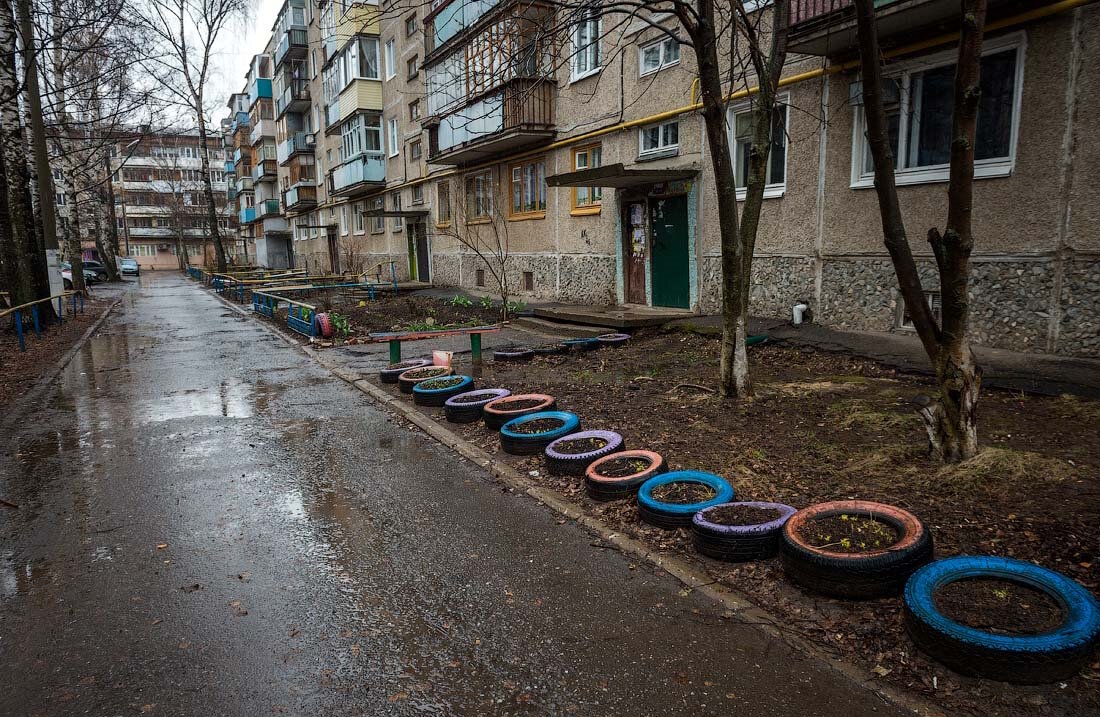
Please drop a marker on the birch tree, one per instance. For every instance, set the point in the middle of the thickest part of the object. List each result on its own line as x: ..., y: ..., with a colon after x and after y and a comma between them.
x: 185, y: 33
x: 951, y: 420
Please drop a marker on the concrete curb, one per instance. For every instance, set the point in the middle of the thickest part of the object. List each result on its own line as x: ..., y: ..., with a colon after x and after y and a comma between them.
x: 735, y: 602
x: 19, y: 405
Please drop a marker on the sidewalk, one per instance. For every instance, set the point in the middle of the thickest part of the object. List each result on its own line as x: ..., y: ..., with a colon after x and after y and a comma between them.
x: 1034, y: 373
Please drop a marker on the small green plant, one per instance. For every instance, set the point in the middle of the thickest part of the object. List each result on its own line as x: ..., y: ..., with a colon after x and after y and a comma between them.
x: 516, y: 306
x: 486, y: 302
x: 341, y: 325
x: 463, y: 301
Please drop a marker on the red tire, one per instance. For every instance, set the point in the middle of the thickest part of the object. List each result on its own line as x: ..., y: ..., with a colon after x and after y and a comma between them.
x: 324, y: 325
x: 497, y: 412
x: 605, y: 487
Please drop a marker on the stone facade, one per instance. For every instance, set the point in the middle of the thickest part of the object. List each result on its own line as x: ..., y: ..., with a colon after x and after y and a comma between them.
x: 1079, y: 328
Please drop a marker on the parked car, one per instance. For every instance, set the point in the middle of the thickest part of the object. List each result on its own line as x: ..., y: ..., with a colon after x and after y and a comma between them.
x: 90, y: 275
x: 97, y: 268
x: 127, y: 265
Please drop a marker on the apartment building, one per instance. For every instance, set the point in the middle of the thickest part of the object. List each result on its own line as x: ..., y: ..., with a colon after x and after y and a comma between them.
x: 159, y: 197
x: 582, y: 152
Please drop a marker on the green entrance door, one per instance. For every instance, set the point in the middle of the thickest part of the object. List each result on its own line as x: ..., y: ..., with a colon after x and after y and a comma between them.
x: 669, y: 260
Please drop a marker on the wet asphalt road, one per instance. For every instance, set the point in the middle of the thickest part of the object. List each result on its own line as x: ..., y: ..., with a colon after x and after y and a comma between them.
x: 211, y: 524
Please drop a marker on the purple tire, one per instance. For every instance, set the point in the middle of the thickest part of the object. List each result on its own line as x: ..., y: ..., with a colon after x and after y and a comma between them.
x: 465, y: 411
x: 740, y: 543
x: 391, y: 372
x: 575, y: 464
x: 613, y: 339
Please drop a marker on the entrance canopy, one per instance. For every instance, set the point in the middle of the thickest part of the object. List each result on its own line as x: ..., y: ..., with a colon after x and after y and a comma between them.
x: 618, y: 177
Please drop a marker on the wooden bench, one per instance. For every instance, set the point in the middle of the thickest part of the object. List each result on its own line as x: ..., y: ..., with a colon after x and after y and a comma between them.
x: 394, y: 338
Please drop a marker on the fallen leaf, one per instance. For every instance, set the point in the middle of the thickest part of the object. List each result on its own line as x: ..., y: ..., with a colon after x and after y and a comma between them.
x: 881, y: 671
x: 398, y: 696
x: 162, y: 546
x: 146, y: 709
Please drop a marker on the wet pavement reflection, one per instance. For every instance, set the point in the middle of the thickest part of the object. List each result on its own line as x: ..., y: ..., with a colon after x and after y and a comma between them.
x: 210, y: 524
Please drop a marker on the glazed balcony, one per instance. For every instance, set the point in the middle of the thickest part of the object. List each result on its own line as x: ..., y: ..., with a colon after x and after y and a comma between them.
x: 292, y: 46
x: 359, y: 174
x: 300, y: 197
x: 828, y: 27
x: 300, y: 169
x: 451, y: 19
x: 510, y: 117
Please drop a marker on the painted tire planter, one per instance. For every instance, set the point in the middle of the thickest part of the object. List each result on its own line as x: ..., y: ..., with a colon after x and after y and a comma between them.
x: 391, y: 372
x: 502, y: 410
x: 431, y: 396
x: 679, y: 515
x: 466, y: 407
x: 870, y: 574
x: 413, y: 376
x: 603, y: 483
x: 1029, y: 659
x: 513, y: 353
x: 322, y: 325
x: 582, y: 344
x: 575, y: 464
x: 613, y: 339
x: 514, y: 440
x: 740, y: 543
x: 551, y: 349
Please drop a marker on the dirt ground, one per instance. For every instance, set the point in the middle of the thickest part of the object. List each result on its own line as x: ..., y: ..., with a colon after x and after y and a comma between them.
x: 401, y: 313
x: 19, y: 370
x: 825, y: 426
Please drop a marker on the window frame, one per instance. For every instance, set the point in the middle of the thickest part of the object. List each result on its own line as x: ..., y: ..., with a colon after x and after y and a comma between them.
x: 490, y: 182
x: 576, y: 75
x: 662, y: 63
x: 443, y: 204
x: 390, y: 54
x: 771, y: 191
x: 902, y: 72
x: 522, y: 214
x: 663, y: 150
x: 414, y: 110
x: 397, y: 206
x: 377, y: 224
x: 410, y: 22
x: 592, y: 206
x: 392, y: 137
x: 360, y: 224
x: 412, y: 67
x: 416, y: 149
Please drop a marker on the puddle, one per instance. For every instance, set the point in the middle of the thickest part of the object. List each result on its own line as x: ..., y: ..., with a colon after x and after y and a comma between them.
x: 21, y: 578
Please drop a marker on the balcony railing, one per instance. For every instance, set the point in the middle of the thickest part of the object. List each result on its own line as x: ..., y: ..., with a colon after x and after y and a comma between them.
x: 260, y: 88
x: 244, y: 184
x: 519, y: 112
x: 240, y: 119
x: 267, y: 208
x: 297, y: 142
x: 451, y: 18
x: 295, y: 98
x: 368, y: 168
x: 266, y: 169
x: 247, y: 216
x: 294, y: 43
x: 261, y: 129
x: 803, y: 10
x: 300, y: 196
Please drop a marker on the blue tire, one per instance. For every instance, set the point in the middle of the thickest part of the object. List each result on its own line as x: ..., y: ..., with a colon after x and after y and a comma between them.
x: 679, y: 515
x: 438, y: 396
x: 527, y: 444
x: 1028, y: 659
x: 582, y: 344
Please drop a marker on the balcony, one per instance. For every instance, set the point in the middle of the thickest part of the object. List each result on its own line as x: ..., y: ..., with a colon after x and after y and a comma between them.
x: 260, y: 88
x: 247, y: 216
x: 300, y: 197
x: 267, y: 208
x: 244, y: 184
x: 359, y: 174
x: 332, y: 117
x: 359, y: 18
x: 292, y: 46
x: 231, y: 166
x: 295, y: 98
x: 297, y: 142
x: 261, y: 130
x: 517, y: 114
x: 828, y: 27
x: 265, y: 170
x: 450, y: 19
x: 240, y: 119
x: 231, y: 192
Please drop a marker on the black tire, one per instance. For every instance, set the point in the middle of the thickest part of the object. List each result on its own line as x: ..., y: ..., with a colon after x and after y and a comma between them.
x: 513, y: 353
x: 435, y: 398
x: 565, y: 464
x: 740, y: 543
x: 471, y: 411
x: 854, y: 575
x: 101, y: 276
x: 391, y: 372
x: 551, y: 349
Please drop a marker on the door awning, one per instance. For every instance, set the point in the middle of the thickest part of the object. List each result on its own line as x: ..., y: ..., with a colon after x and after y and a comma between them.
x: 618, y: 177
x: 403, y: 213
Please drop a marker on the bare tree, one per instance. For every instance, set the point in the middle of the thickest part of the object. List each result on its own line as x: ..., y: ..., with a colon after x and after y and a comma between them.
x: 186, y: 32
x: 952, y: 419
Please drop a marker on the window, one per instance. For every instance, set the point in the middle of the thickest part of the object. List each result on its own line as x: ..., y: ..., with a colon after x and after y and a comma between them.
x: 586, y: 46
x: 414, y: 110
x: 741, y: 145
x: 412, y: 67
x: 659, y: 139
x: 59, y: 198
x: 362, y: 133
x: 410, y: 26
x: 357, y: 210
x: 143, y: 250
x: 344, y: 219
x: 398, y: 222
x: 391, y: 60
x: 377, y: 224
x: 418, y: 194
x: 529, y: 189
x: 479, y: 196
x: 528, y: 281
x: 905, y: 321
x: 658, y: 55
x: 415, y: 149
x: 368, y: 57
x: 392, y: 128
x: 586, y: 200
x: 480, y: 278
x: 919, y: 114
x: 443, y: 203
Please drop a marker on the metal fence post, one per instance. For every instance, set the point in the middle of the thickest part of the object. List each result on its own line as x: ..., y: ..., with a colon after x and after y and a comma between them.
x: 37, y: 327
x: 19, y: 329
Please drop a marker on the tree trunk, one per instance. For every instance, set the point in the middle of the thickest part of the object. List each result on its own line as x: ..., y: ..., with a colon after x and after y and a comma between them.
x: 68, y: 169
x: 208, y: 192
x: 112, y: 214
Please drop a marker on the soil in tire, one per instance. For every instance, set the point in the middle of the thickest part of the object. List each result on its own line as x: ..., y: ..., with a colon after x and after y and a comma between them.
x: 518, y: 405
x: 849, y: 533
x: 1001, y: 607
x: 539, y: 425
x: 433, y: 384
x: 683, y: 493
x: 623, y: 467
x: 741, y: 515
x: 577, y: 446
x: 460, y: 399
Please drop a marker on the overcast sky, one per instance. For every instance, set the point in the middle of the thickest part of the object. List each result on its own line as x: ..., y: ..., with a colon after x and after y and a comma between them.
x: 235, y: 50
